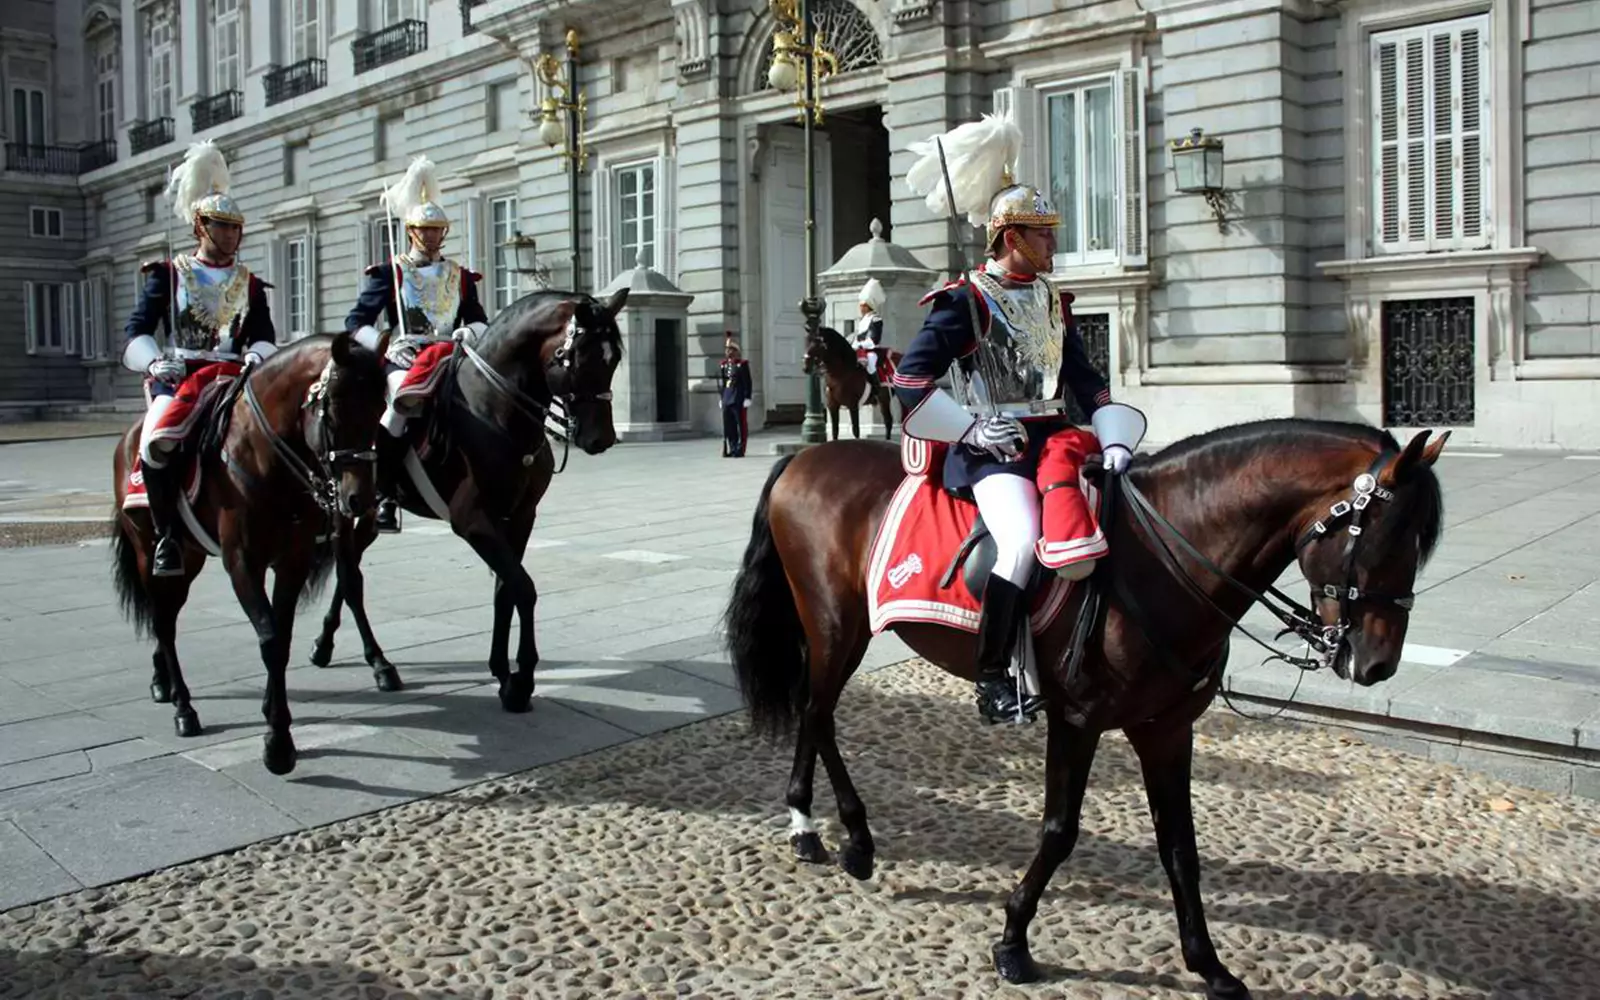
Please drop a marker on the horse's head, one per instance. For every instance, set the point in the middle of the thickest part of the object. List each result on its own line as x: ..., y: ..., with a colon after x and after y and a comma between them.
x: 825, y: 345
x: 342, y: 408
x: 579, y: 365
x: 1361, y: 550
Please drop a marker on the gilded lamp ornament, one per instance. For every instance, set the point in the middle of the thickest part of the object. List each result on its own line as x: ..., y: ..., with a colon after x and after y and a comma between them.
x: 792, y: 58
x: 561, y: 97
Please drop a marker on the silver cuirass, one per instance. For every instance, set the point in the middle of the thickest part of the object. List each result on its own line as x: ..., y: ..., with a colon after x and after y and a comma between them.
x: 431, y: 296
x: 211, y: 304
x: 1018, y: 360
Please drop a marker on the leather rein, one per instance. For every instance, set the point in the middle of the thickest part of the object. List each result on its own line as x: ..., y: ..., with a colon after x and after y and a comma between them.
x: 321, y: 482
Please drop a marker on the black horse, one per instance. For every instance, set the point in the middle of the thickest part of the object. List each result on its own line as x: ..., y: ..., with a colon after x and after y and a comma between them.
x: 547, y: 358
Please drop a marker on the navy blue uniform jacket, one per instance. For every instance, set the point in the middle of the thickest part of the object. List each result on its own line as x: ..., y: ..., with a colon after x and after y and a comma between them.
x: 377, y: 299
x: 947, y: 338
x: 154, y: 309
x: 736, y: 386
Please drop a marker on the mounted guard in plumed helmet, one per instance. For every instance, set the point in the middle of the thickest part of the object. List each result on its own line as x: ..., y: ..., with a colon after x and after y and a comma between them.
x: 869, y: 325
x: 214, y: 312
x: 1005, y: 334
x: 438, y: 301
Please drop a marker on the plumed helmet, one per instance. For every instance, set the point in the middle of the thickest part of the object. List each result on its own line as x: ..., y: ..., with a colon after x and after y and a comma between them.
x: 872, y: 294
x: 981, y: 157
x: 199, y: 186
x: 415, y: 198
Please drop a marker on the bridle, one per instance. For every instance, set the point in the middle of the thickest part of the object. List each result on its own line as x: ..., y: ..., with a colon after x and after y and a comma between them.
x: 322, y: 482
x: 1324, y: 642
x: 557, y: 416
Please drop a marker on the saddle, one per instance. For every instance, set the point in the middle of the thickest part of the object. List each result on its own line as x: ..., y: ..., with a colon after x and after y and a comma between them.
x: 974, y: 560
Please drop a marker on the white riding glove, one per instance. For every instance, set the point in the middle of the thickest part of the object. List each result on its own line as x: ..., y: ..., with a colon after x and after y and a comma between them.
x: 251, y: 359
x: 1117, y: 459
x: 1003, y: 437
x: 747, y: 404
x: 168, y: 370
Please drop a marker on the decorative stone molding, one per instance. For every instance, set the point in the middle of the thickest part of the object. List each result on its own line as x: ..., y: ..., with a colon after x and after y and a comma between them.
x: 693, y: 30
x: 911, y: 11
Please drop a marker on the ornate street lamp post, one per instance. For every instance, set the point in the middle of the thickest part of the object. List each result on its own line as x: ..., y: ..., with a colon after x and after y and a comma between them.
x: 562, y: 96
x: 800, y: 63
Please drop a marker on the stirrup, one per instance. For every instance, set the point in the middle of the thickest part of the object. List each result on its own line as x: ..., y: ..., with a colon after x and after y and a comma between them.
x: 173, y: 564
x: 387, y: 517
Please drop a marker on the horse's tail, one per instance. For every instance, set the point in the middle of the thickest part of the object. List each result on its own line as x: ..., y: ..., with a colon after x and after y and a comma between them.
x: 324, y: 556
x: 131, y: 595
x: 764, y: 636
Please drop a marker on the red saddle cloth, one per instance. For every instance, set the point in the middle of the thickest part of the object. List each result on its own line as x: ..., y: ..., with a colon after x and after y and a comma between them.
x: 423, y: 376
x: 197, y: 395
x: 885, y: 362
x: 924, y: 526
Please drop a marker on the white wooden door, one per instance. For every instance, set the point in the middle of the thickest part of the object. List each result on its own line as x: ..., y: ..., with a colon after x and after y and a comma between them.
x: 783, y: 258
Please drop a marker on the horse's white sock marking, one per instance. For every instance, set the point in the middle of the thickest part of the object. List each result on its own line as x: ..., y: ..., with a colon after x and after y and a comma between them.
x: 799, y: 823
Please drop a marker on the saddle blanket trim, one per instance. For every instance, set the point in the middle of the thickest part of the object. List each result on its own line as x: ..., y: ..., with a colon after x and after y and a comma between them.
x: 424, y: 374
x: 882, y: 614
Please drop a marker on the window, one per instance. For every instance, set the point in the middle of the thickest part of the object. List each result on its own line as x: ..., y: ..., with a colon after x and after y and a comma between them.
x: 394, y: 11
x: 48, y: 308
x: 635, y: 216
x: 1083, y: 170
x: 385, y: 240
x: 152, y: 203
x: 1431, y: 142
x: 227, y: 37
x: 305, y: 30
x: 295, y: 159
x: 297, y: 287
x: 505, y: 107
x: 159, y: 61
x: 105, y: 94
x: 91, y: 315
x: 45, y: 222
x: 27, y: 116
x: 502, y: 227
x: 390, y: 138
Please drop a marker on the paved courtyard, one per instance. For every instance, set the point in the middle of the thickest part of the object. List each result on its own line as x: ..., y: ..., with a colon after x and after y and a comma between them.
x: 630, y: 851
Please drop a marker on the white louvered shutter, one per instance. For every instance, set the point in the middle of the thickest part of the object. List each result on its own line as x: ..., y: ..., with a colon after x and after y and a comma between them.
x: 66, y: 319
x: 1132, y: 171
x: 667, y: 216
x: 603, y: 263
x: 30, y: 319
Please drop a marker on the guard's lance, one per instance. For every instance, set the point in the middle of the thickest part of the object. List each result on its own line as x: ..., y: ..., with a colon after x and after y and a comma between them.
x: 983, y: 398
x: 172, y: 278
x: 394, y: 269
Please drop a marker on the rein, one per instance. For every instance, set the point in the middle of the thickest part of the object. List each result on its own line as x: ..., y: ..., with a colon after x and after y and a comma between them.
x: 321, y: 483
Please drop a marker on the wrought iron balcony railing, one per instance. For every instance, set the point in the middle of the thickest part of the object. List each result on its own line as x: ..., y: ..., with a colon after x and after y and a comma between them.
x: 216, y: 109
x: 32, y: 158
x: 150, y: 134
x: 404, y: 38
x: 284, y: 82
x: 467, y: 27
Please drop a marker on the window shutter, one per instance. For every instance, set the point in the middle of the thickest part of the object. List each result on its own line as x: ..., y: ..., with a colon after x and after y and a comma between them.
x: 67, y: 322
x: 1477, y: 216
x: 97, y: 307
x: 84, y: 337
x: 1133, y: 172
x: 311, y: 282
x: 667, y: 217
x: 30, y: 319
x: 603, y: 264
x: 1022, y: 104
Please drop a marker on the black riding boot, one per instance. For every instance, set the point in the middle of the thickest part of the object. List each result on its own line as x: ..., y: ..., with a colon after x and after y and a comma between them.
x: 161, y: 489
x: 391, y: 465
x: 1004, y: 612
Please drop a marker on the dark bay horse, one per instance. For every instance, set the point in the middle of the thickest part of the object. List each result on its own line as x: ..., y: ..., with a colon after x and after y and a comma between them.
x: 1252, y: 499
x: 548, y: 357
x: 289, y: 463
x: 845, y: 383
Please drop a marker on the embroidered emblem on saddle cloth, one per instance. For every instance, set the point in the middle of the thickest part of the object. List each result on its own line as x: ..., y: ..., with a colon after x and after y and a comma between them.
x: 211, y: 304
x: 924, y: 526
x: 435, y: 292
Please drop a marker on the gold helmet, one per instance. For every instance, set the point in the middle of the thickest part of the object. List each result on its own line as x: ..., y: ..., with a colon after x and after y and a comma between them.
x: 199, y: 187
x: 981, y: 157
x: 415, y: 198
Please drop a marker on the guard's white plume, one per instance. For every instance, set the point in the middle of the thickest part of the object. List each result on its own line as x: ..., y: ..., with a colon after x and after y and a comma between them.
x: 420, y: 184
x: 872, y: 294
x: 202, y: 172
x: 982, y: 157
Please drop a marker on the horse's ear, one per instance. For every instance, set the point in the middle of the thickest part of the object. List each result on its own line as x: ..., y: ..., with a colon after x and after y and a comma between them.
x: 1431, y: 454
x: 1411, y: 458
x: 615, y: 305
x: 341, y: 348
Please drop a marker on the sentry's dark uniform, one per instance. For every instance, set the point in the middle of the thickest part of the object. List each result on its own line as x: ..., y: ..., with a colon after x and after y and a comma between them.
x: 736, y: 389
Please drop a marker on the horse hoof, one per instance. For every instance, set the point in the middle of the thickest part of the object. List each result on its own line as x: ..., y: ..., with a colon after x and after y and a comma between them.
x: 1014, y: 963
x: 387, y: 678
x: 279, y: 754
x: 160, y: 693
x: 516, y: 692
x: 808, y: 848
x: 856, y: 862
x: 1224, y: 985
x: 322, y: 654
x: 187, y: 723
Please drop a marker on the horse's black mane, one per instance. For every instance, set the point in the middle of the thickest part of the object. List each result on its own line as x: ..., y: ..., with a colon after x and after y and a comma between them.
x: 508, y: 318
x: 1419, y: 503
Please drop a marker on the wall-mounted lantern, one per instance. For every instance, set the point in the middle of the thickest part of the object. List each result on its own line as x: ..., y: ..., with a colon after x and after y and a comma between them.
x: 1197, y: 169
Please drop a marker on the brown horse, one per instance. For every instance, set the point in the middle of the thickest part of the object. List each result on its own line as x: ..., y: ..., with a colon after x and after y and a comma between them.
x: 546, y: 360
x: 845, y: 383
x: 289, y: 462
x: 1255, y: 498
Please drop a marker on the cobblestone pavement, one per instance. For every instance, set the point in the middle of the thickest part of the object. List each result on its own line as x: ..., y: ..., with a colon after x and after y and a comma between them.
x: 659, y: 869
